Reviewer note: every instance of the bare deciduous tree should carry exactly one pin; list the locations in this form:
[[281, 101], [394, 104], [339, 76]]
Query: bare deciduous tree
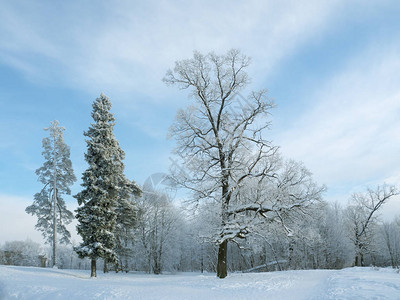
[[156, 229], [391, 241], [222, 148], [362, 215]]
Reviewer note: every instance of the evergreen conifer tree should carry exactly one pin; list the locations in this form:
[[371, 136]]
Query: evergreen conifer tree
[[104, 185], [57, 176]]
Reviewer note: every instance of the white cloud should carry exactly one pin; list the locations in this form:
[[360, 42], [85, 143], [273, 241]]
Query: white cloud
[[351, 136], [129, 47]]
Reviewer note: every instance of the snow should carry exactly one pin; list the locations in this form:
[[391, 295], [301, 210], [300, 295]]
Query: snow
[[351, 283]]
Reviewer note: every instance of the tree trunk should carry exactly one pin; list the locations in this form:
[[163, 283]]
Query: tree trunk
[[93, 269], [222, 254], [222, 270], [290, 258], [126, 267], [202, 259], [105, 270], [54, 226], [54, 203], [359, 261]]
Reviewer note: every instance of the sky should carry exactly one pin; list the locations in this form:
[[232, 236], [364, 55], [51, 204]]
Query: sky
[[332, 68]]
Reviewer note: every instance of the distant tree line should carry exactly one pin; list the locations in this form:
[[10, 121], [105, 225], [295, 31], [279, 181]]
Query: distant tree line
[[325, 241]]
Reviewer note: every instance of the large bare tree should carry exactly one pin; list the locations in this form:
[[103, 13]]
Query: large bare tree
[[362, 217], [221, 147]]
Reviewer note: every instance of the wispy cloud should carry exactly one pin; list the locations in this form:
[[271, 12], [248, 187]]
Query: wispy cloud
[[351, 136], [346, 133], [126, 46]]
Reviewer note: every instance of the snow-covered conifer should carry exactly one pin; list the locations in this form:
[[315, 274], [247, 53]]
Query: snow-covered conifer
[[57, 176], [103, 184]]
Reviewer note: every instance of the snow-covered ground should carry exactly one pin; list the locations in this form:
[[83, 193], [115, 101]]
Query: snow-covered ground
[[351, 283]]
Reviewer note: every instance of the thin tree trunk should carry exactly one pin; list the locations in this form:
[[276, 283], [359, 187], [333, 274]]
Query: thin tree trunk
[[93, 269], [202, 259], [105, 266], [290, 260], [222, 254], [54, 204]]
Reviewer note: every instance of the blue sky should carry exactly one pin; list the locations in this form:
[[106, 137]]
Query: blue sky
[[332, 68]]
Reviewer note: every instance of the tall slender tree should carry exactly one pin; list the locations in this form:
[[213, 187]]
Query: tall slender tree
[[104, 184], [57, 176]]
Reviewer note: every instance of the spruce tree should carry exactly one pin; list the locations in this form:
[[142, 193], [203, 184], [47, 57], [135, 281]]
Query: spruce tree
[[103, 184], [57, 176]]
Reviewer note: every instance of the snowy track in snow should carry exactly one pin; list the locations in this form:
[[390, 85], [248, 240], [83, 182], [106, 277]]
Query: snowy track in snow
[[352, 283]]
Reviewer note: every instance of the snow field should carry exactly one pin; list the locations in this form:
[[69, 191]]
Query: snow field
[[351, 283]]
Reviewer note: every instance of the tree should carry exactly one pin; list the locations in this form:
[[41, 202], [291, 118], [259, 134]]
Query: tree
[[126, 222], [104, 186], [287, 197], [220, 143], [22, 253], [157, 230], [390, 237], [336, 248], [362, 216], [57, 176]]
